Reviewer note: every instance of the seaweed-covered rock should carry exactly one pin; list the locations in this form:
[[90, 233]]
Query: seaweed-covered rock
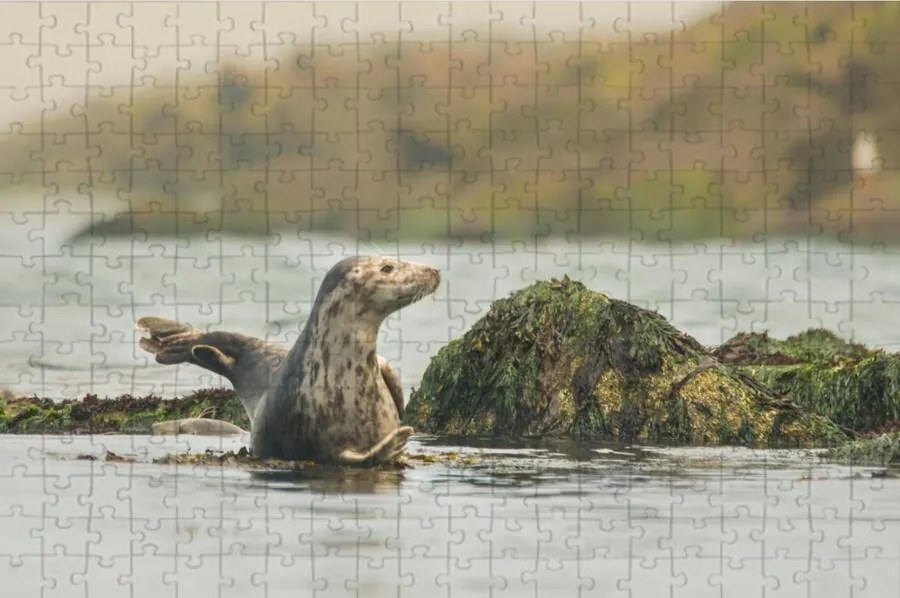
[[557, 358], [125, 414], [858, 388], [879, 450], [816, 344]]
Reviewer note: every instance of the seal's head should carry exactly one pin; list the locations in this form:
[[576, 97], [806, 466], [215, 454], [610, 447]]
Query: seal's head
[[375, 287]]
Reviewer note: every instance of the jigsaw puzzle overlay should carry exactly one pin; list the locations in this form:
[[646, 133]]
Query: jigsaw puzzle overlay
[[729, 165]]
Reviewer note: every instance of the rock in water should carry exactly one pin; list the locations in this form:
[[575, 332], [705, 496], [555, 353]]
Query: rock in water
[[558, 358], [199, 426], [855, 386]]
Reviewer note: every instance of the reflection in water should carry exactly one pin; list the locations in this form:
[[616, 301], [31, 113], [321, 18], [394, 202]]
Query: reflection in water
[[321, 479], [531, 518], [545, 466]]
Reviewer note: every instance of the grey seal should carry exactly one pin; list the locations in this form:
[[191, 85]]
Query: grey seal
[[331, 397]]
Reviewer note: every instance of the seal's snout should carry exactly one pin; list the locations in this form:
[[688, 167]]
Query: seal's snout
[[435, 276], [422, 281]]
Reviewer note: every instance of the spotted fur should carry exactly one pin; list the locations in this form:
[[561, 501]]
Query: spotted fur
[[332, 401], [331, 397]]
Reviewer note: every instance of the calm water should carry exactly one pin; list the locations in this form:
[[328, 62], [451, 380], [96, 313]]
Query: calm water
[[527, 521], [517, 521]]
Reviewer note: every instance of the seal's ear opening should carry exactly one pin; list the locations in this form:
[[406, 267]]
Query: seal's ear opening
[[213, 359]]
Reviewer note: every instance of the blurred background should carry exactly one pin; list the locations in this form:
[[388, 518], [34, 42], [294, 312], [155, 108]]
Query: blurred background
[[733, 165]]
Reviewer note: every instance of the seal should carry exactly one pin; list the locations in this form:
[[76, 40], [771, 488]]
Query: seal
[[330, 398]]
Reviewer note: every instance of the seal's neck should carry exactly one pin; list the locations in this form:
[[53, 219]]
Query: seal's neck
[[341, 334], [339, 330]]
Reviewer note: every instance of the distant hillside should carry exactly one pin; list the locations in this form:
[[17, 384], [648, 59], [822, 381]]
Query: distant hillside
[[742, 124]]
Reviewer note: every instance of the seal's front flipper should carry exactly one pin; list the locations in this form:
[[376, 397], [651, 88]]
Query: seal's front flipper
[[392, 381], [385, 451]]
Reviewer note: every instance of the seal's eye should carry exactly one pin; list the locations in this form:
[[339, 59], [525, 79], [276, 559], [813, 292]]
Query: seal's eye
[[387, 268]]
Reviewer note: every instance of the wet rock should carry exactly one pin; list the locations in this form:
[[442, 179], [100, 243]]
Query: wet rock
[[556, 358], [200, 426], [882, 450], [858, 388]]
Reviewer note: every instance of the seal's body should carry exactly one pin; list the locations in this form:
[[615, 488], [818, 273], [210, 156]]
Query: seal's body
[[331, 402], [331, 398]]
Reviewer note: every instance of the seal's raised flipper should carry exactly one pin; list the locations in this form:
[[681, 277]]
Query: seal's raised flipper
[[170, 341], [392, 380], [250, 364], [386, 451], [213, 359]]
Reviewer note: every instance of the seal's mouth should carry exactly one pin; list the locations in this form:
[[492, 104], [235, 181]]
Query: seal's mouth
[[395, 286]]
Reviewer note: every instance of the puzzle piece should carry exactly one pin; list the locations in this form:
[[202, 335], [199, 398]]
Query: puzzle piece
[[731, 166]]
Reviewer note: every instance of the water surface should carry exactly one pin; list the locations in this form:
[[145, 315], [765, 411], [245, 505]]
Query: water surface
[[514, 520], [517, 520]]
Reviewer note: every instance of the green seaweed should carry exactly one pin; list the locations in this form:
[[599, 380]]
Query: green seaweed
[[880, 450], [815, 344], [35, 418], [858, 388], [557, 358], [125, 414]]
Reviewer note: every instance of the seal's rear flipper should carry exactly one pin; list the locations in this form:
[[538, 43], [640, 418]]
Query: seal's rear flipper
[[250, 364], [169, 341], [213, 359], [386, 451], [173, 342], [161, 327]]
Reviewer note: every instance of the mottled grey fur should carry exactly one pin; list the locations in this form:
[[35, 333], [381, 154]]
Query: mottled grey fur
[[331, 402], [331, 397]]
